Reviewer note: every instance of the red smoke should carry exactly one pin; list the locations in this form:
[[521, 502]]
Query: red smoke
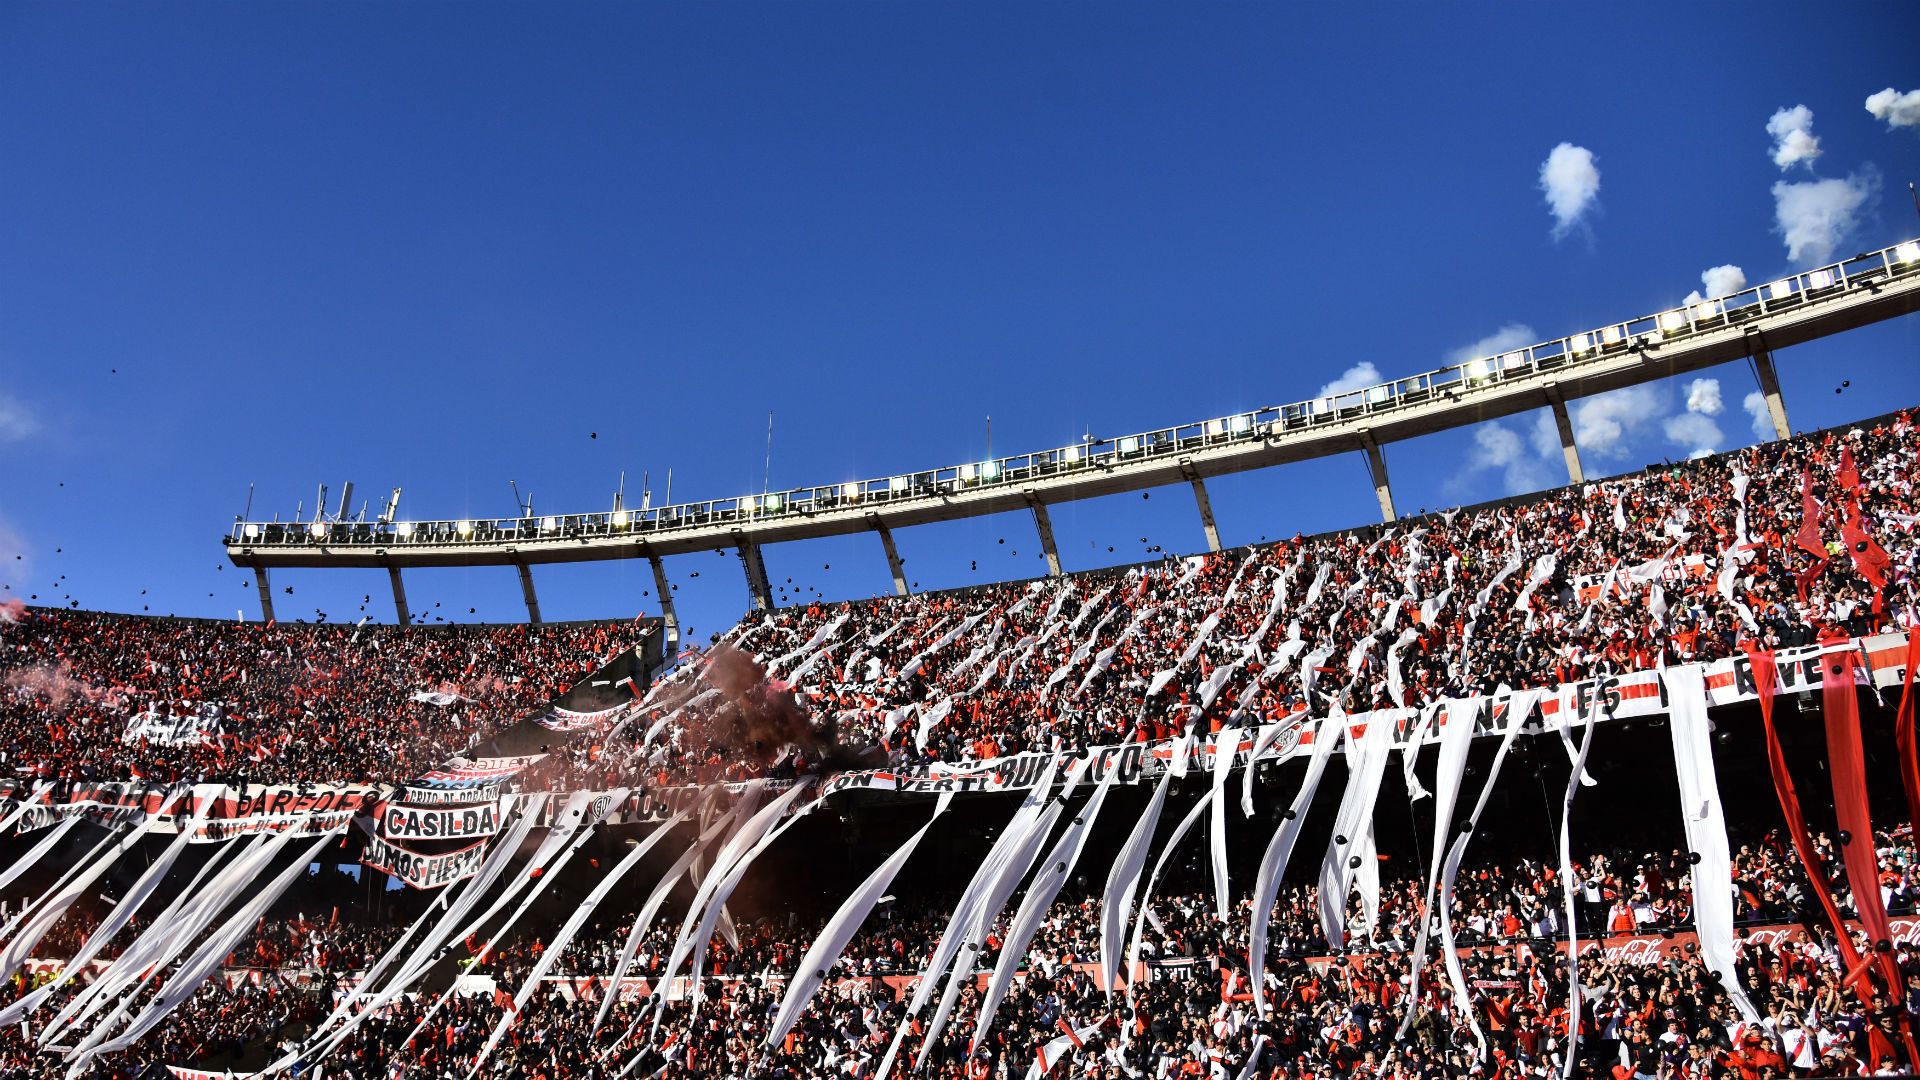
[[57, 684], [758, 720]]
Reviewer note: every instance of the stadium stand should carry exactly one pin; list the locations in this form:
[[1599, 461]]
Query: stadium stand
[[1796, 548], [91, 696], [1532, 593]]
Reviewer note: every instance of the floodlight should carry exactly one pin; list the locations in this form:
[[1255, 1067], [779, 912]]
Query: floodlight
[[772, 503], [897, 484], [1242, 424], [1580, 343], [253, 532], [619, 519], [1070, 455], [1476, 369], [1610, 336], [319, 530], [1907, 252], [967, 473], [1129, 444], [1377, 394], [405, 528], [850, 490], [1671, 321], [1780, 289], [465, 528], [1819, 279], [548, 524]]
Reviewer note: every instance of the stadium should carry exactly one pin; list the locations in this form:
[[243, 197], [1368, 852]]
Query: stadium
[[631, 867], [1615, 777]]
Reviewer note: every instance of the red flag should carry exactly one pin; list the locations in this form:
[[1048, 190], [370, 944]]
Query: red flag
[[1848, 476], [1809, 535], [1868, 557]]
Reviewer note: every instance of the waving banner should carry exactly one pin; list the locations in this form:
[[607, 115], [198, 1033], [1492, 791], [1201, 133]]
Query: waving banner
[[423, 871], [460, 796], [410, 823], [174, 729]]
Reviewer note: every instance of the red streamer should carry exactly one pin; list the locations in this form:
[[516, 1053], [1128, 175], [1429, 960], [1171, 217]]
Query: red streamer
[[1847, 763], [1903, 733], [1765, 678]]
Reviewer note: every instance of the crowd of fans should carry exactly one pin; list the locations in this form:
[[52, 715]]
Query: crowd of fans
[[99, 697], [1333, 1015], [1336, 1012]]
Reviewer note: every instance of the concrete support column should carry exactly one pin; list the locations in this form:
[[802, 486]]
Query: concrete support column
[[264, 582], [756, 570], [1204, 504], [893, 556], [1575, 473], [400, 611], [1770, 389], [1377, 465], [527, 593], [1044, 526], [667, 614]]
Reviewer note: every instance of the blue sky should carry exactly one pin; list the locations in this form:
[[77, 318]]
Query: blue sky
[[439, 246]]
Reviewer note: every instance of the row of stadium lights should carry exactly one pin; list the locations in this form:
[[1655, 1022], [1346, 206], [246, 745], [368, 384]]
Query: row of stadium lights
[[1671, 322]]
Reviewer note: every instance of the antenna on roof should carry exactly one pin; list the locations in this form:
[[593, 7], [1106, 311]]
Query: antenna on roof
[[393, 507], [320, 503], [248, 512], [346, 499], [646, 492], [620, 493], [525, 505]]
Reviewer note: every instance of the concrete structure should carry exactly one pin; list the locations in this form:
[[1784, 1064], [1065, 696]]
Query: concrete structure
[[1748, 326], [400, 613], [1575, 474], [527, 593], [894, 563]]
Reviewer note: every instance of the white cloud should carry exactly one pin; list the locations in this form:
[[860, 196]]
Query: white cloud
[[16, 422], [1723, 280], [1358, 377], [1693, 430], [1498, 447], [1506, 339], [1604, 424], [1755, 403], [1703, 397], [1571, 182], [1794, 142], [1815, 217], [1897, 109]]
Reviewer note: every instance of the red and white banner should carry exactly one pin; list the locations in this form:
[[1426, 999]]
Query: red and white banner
[[423, 871], [453, 823], [460, 796]]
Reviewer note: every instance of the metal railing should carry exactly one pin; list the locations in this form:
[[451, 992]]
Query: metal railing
[[1797, 290]]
